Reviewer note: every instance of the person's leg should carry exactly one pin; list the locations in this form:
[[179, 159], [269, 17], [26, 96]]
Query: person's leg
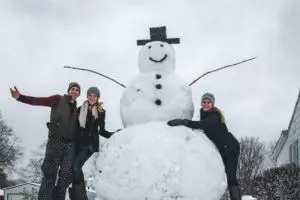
[[231, 164], [79, 161], [65, 171], [50, 168], [78, 185]]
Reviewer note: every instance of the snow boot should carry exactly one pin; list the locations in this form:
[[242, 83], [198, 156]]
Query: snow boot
[[79, 191], [235, 193]]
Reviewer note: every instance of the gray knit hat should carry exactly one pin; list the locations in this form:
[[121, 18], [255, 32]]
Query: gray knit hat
[[93, 90], [74, 84], [210, 97]]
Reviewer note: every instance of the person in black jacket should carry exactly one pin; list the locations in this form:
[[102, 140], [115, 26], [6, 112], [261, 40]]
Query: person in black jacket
[[90, 124], [213, 124]]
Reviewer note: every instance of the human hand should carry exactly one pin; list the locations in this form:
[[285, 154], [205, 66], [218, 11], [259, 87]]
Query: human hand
[[176, 122], [15, 93]]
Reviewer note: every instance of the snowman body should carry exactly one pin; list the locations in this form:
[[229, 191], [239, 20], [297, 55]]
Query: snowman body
[[156, 94], [153, 161]]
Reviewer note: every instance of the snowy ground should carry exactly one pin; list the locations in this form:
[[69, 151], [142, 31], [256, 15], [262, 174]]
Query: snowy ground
[[154, 161]]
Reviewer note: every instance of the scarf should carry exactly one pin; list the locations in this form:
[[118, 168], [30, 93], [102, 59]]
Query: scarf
[[83, 113]]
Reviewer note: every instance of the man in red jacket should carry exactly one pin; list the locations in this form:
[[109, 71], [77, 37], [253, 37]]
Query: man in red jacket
[[60, 145]]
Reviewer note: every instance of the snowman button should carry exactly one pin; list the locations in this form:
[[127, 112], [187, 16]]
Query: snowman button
[[158, 76], [158, 86], [158, 102]]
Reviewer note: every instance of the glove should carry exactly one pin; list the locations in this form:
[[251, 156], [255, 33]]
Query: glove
[[177, 122]]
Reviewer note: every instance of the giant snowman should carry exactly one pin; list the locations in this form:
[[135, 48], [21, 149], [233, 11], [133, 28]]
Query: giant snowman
[[149, 160]]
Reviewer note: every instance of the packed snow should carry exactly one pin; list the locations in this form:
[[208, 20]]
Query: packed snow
[[154, 161], [150, 99]]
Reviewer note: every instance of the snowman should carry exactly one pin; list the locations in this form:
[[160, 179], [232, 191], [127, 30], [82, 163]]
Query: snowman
[[156, 94], [148, 160]]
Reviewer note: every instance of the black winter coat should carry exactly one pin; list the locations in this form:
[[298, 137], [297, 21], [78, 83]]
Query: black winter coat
[[216, 130], [89, 136]]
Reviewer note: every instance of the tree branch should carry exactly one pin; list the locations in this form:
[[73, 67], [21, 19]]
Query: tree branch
[[218, 69], [83, 69]]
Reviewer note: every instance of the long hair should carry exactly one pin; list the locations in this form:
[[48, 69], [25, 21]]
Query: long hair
[[217, 110], [221, 114], [99, 105]]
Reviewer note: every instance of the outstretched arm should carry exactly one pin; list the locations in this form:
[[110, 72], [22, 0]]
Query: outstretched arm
[[50, 101], [103, 132], [203, 124]]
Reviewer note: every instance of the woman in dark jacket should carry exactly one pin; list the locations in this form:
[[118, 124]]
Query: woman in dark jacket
[[213, 124], [91, 124]]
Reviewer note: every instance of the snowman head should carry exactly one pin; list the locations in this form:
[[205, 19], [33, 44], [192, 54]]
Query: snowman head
[[157, 56]]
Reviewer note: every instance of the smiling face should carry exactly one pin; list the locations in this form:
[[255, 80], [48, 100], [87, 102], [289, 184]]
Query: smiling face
[[157, 56], [92, 98], [73, 92]]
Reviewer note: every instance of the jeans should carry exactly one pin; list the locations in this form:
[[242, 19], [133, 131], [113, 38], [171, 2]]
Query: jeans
[[83, 154], [230, 160]]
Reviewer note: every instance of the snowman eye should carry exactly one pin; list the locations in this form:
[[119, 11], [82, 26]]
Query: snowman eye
[[162, 45], [149, 47]]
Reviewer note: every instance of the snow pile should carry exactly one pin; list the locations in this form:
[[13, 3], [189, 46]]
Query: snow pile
[[154, 161], [150, 99]]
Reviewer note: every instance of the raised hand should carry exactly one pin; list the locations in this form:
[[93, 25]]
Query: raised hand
[[15, 93]]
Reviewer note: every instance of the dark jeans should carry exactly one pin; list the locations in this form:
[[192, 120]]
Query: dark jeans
[[82, 155], [59, 155], [230, 156]]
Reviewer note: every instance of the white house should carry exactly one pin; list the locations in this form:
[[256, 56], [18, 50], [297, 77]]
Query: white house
[[17, 192], [248, 197], [1, 194], [287, 149]]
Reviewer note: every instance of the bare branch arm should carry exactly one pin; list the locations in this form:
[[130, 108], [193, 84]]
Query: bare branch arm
[[83, 69], [218, 69]]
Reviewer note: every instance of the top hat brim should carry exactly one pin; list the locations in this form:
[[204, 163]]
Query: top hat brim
[[169, 41]]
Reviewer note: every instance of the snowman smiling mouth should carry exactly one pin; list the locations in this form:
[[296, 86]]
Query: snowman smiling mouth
[[159, 61]]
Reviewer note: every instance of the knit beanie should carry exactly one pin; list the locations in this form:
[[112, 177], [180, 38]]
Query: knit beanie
[[93, 90], [74, 84], [210, 97]]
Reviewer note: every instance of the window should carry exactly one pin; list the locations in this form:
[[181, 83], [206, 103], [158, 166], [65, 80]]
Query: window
[[294, 153]]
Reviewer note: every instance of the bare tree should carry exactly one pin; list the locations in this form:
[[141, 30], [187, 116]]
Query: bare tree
[[29, 194], [10, 150], [32, 172], [270, 162], [251, 161]]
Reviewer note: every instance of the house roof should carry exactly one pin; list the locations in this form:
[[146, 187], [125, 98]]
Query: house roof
[[294, 112], [280, 143], [284, 134], [33, 184]]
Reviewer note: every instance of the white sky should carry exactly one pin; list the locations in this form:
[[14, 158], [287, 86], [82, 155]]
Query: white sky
[[39, 37]]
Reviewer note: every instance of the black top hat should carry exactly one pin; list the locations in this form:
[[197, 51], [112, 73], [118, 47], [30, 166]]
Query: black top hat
[[159, 34]]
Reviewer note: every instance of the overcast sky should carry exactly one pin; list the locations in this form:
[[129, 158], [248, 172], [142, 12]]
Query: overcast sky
[[39, 37]]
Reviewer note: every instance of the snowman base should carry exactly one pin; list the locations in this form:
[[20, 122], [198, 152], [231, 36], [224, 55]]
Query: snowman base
[[154, 161]]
